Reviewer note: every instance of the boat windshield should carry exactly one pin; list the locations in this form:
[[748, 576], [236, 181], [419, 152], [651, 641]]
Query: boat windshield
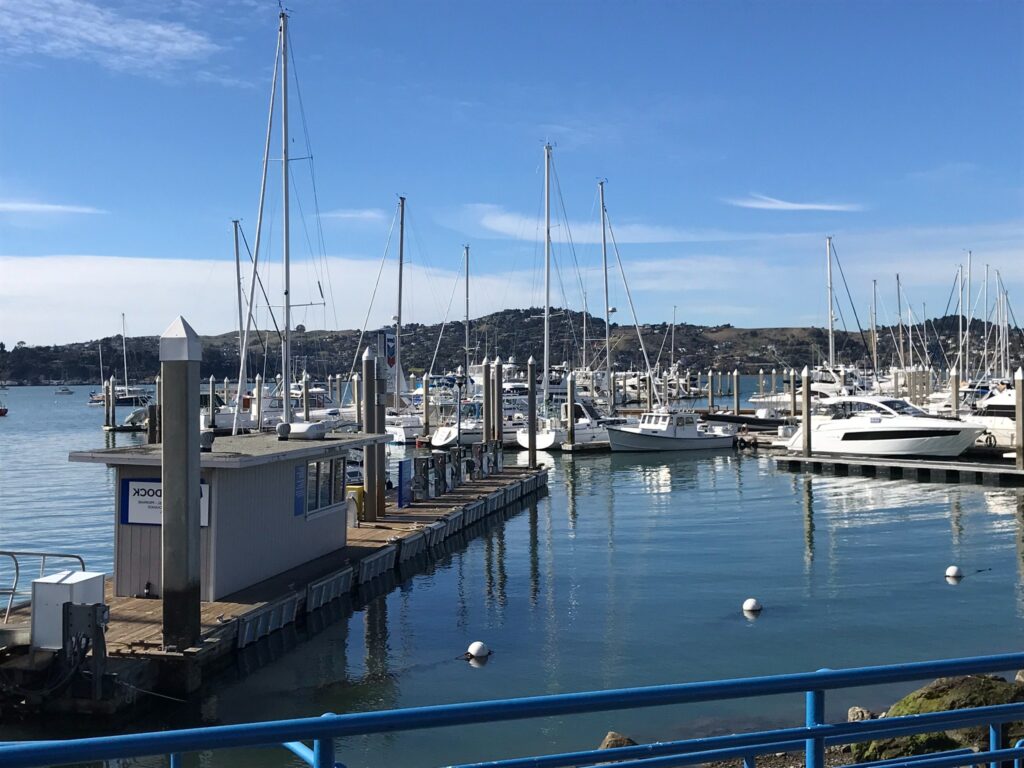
[[903, 408]]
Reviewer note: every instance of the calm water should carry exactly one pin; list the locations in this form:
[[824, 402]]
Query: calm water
[[630, 572]]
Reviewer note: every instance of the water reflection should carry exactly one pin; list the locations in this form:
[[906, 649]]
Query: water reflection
[[808, 500], [956, 521], [632, 572]]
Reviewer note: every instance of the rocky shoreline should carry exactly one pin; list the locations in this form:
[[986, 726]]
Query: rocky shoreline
[[945, 693]]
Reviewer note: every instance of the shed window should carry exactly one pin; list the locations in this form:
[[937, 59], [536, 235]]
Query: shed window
[[325, 485]]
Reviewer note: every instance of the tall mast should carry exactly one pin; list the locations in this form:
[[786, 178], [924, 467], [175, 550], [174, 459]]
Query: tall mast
[[927, 358], [960, 321], [583, 355], [466, 254], [909, 334], [124, 351], [547, 272], [899, 316], [831, 330], [607, 307], [970, 301], [238, 280], [286, 344], [100, 345], [986, 320], [398, 316], [874, 328], [672, 342]]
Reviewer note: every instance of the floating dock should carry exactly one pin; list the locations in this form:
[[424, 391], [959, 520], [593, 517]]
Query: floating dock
[[921, 470], [397, 545]]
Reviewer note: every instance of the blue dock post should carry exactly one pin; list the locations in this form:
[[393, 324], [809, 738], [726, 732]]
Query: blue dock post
[[815, 715], [750, 761], [175, 760]]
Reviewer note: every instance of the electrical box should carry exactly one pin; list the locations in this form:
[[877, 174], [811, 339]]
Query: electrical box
[[49, 593]]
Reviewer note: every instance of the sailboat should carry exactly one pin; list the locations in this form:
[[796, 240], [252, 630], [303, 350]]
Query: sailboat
[[403, 425], [124, 395], [588, 425], [290, 424]]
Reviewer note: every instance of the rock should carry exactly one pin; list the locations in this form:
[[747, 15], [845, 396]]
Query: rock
[[1019, 678], [613, 740], [943, 694], [858, 714]]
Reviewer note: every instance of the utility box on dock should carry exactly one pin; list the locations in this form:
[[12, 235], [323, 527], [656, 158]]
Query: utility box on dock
[[49, 593], [266, 506]]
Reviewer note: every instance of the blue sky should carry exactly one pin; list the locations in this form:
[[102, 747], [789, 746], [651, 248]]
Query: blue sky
[[734, 137]]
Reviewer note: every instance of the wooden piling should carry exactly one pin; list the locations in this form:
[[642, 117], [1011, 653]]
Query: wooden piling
[[805, 377]]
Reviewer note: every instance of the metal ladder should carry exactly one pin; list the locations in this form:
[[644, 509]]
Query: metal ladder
[[12, 591]]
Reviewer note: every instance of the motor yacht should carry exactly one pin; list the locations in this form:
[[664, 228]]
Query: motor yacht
[[884, 426]]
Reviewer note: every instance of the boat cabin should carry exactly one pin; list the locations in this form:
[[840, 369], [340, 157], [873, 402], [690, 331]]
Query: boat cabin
[[847, 407], [663, 421]]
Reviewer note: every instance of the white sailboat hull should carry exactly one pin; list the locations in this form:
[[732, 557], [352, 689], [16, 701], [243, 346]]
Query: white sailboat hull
[[554, 439]]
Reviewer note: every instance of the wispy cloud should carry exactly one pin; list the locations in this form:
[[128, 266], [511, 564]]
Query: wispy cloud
[[944, 172], [765, 203], [355, 214], [24, 206], [218, 78], [493, 220], [78, 29]]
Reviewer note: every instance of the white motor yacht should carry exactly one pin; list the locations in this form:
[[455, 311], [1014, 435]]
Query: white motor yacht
[[882, 426], [664, 430]]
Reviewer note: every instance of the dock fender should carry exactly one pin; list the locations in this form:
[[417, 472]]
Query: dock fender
[[990, 440]]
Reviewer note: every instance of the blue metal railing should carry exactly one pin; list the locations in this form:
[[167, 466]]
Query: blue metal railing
[[813, 737]]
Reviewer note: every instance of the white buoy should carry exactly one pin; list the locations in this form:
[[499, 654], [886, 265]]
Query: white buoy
[[752, 605], [478, 650], [954, 572]]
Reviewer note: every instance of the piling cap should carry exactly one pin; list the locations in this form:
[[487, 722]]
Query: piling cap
[[180, 343], [368, 355], [531, 361], [497, 360]]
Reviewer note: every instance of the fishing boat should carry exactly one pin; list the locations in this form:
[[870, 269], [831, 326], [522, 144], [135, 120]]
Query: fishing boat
[[664, 430], [62, 390], [883, 426]]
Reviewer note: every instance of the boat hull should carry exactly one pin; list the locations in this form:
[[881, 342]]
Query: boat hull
[[892, 442], [631, 439]]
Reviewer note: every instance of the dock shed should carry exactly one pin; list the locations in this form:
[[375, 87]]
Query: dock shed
[[267, 506]]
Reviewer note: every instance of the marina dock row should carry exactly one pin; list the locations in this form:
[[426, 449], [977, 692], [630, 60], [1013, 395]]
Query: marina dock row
[[922, 470]]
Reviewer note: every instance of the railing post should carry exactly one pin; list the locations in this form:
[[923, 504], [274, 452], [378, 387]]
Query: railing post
[[175, 760], [750, 761], [815, 715], [323, 749], [998, 733]]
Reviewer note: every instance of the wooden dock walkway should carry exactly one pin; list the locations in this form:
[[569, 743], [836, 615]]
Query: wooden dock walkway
[[921, 470], [402, 539]]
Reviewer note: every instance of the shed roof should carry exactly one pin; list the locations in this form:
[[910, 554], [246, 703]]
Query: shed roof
[[235, 452]]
